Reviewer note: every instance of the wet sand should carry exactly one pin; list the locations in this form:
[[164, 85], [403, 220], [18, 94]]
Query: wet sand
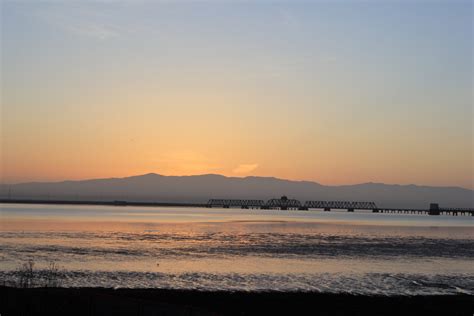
[[101, 301]]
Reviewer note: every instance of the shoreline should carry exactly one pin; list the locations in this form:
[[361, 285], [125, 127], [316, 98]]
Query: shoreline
[[107, 301], [104, 203]]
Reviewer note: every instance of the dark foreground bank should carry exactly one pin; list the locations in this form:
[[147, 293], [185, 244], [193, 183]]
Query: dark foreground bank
[[98, 301]]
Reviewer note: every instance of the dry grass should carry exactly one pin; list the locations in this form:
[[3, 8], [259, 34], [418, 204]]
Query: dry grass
[[27, 276]]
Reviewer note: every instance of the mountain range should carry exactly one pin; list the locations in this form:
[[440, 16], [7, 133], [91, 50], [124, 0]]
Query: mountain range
[[199, 188]]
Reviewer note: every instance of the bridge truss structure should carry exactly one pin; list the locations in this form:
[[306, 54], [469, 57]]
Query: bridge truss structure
[[345, 205], [292, 204], [284, 204]]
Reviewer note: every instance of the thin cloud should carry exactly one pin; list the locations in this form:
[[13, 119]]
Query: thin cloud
[[80, 22], [245, 168]]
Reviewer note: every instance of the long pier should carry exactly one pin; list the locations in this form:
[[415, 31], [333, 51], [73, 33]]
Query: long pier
[[105, 203], [284, 203]]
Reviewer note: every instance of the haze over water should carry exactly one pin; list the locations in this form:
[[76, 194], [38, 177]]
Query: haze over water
[[233, 249]]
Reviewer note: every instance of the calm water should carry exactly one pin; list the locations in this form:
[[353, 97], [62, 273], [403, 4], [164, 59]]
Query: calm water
[[233, 249]]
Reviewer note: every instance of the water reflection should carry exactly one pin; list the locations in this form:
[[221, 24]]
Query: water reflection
[[226, 249]]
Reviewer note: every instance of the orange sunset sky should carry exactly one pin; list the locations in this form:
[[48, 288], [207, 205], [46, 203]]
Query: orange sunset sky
[[337, 93]]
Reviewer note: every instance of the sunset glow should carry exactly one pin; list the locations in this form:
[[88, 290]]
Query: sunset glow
[[93, 90]]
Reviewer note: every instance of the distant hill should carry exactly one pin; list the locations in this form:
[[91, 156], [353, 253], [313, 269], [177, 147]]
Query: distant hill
[[200, 188]]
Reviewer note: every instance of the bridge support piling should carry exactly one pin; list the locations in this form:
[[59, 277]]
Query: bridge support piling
[[350, 210], [327, 209]]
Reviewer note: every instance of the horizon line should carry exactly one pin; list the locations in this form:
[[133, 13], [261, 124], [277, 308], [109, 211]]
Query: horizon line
[[236, 177]]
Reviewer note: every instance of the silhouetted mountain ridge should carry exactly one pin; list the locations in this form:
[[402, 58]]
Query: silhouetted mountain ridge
[[200, 188]]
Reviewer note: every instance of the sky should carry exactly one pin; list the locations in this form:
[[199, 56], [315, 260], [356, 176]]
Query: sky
[[337, 92]]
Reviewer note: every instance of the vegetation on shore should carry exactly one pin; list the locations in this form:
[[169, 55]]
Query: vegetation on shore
[[28, 276]]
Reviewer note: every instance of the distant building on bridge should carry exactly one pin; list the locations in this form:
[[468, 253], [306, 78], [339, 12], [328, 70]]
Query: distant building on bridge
[[283, 203]]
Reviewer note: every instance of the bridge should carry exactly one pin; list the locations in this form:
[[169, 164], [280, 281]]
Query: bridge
[[284, 203], [342, 205], [227, 203], [433, 210]]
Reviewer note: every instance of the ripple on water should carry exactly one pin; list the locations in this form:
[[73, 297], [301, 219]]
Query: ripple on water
[[223, 244]]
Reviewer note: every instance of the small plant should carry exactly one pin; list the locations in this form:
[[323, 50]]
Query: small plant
[[26, 274], [52, 276], [29, 277]]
